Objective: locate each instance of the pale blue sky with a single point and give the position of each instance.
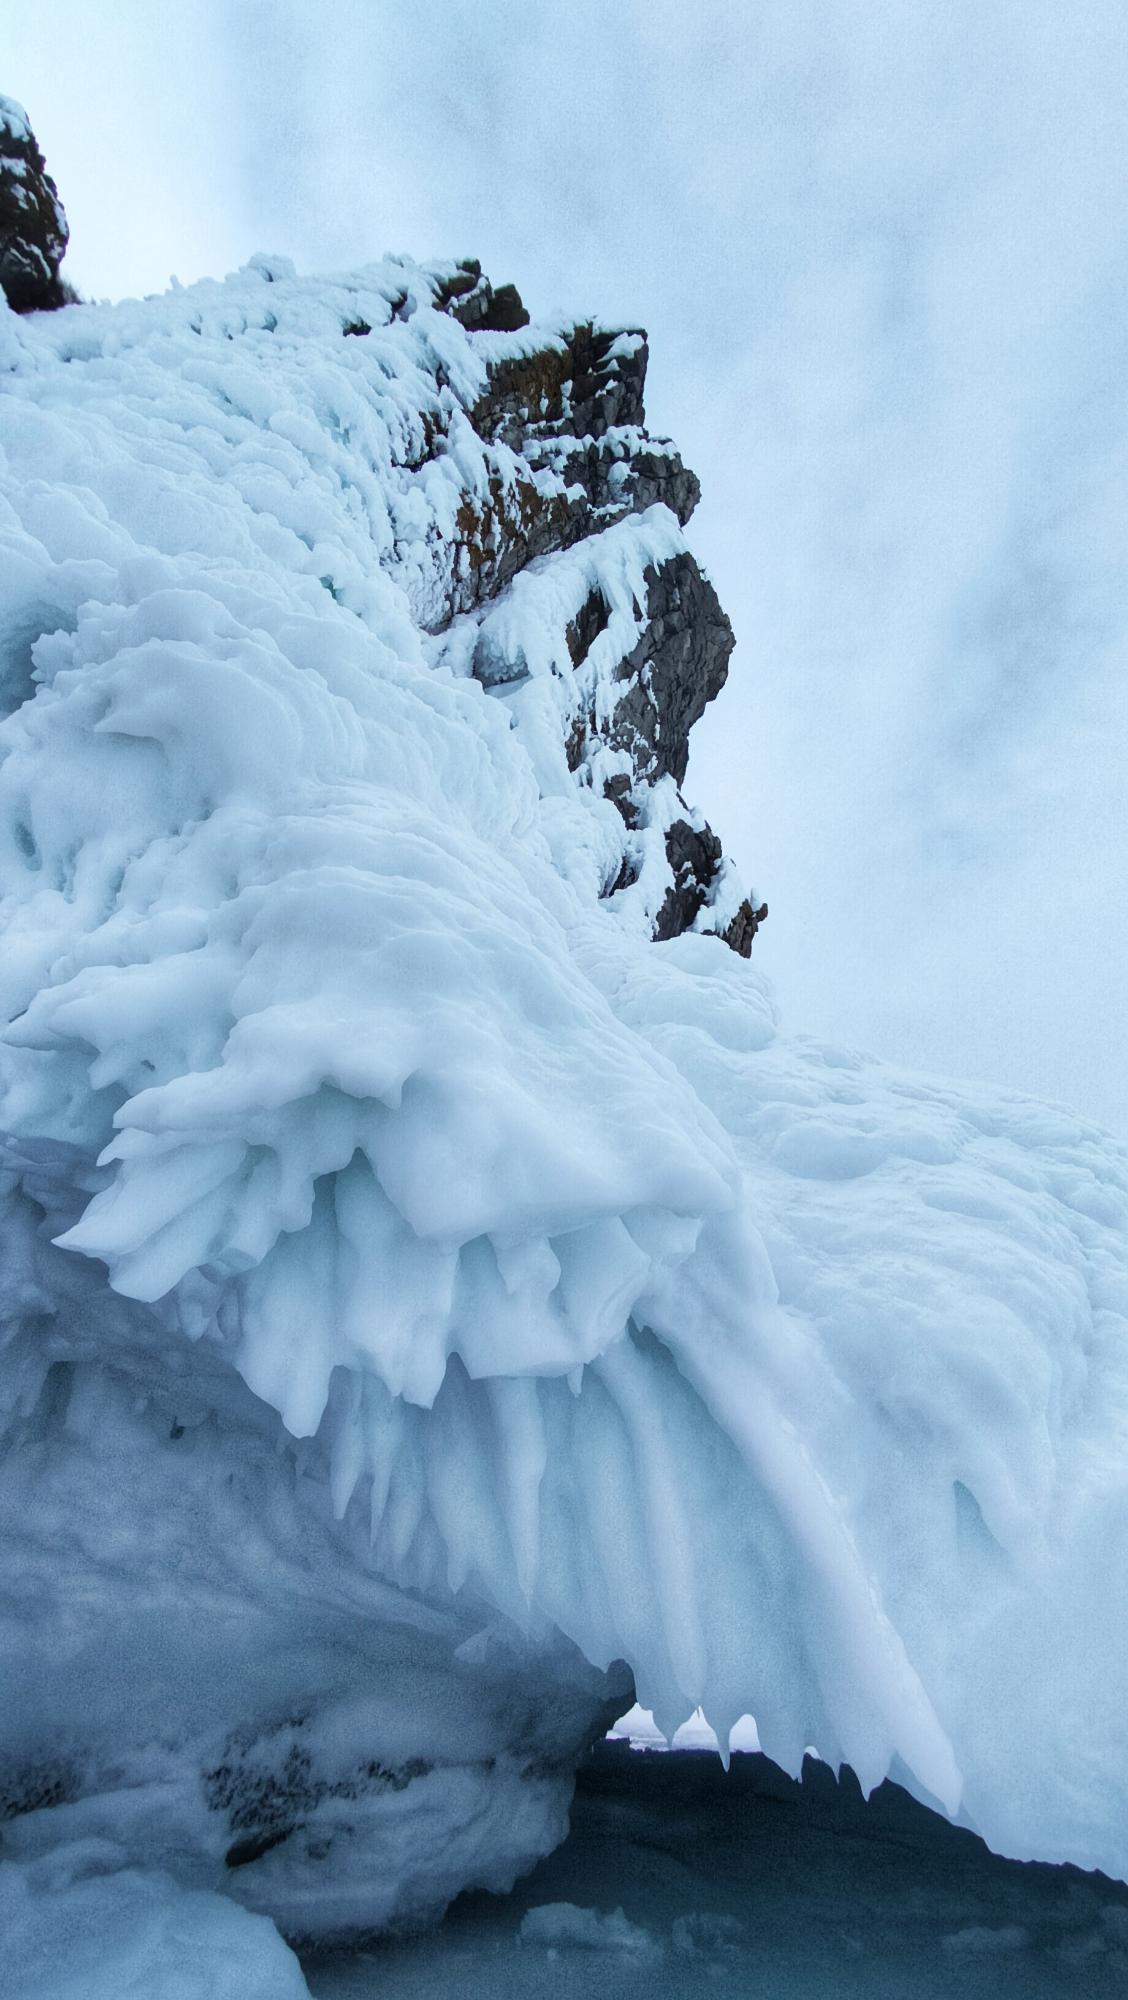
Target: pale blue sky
(881, 249)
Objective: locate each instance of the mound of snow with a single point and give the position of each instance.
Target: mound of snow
(556, 1924)
(77, 1931)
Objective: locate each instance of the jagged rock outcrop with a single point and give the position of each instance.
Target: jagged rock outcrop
(572, 454)
(33, 225)
(567, 420)
(678, 665)
(694, 854)
(479, 306)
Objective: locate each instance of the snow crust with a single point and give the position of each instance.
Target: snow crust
(555, 1924)
(797, 1382)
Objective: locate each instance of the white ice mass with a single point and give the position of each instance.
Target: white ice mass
(423, 1291)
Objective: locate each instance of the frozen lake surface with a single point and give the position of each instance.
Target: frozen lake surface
(752, 1884)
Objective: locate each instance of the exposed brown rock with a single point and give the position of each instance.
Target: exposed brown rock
(694, 854)
(573, 408)
(501, 535)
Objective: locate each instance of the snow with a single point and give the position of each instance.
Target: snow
(602, 1312)
(638, 1728)
(13, 121)
(79, 1929)
(555, 1924)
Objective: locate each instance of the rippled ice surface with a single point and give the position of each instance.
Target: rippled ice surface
(752, 1884)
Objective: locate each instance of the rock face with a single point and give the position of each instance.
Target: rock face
(567, 419)
(33, 226)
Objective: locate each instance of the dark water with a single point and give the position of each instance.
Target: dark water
(751, 1884)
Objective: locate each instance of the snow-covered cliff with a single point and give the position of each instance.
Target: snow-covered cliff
(430, 1278)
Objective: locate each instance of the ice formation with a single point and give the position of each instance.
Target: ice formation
(430, 1276)
(79, 1930)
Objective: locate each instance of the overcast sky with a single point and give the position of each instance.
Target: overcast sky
(881, 249)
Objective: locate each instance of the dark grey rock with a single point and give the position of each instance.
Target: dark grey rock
(575, 406)
(578, 407)
(589, 385)
(590, 620)
(617, 478)
(33, 226)
(694, 854)
(744, 926)
(678, 666)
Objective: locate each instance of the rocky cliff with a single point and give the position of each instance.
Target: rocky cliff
(568, 421)
(33, 225)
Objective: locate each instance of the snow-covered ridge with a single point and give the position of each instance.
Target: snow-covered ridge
(381, 1193)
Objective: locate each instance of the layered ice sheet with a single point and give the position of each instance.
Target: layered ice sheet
(799, 1383)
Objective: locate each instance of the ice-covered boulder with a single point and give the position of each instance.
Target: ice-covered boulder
(33, 226)
(430, 1278)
